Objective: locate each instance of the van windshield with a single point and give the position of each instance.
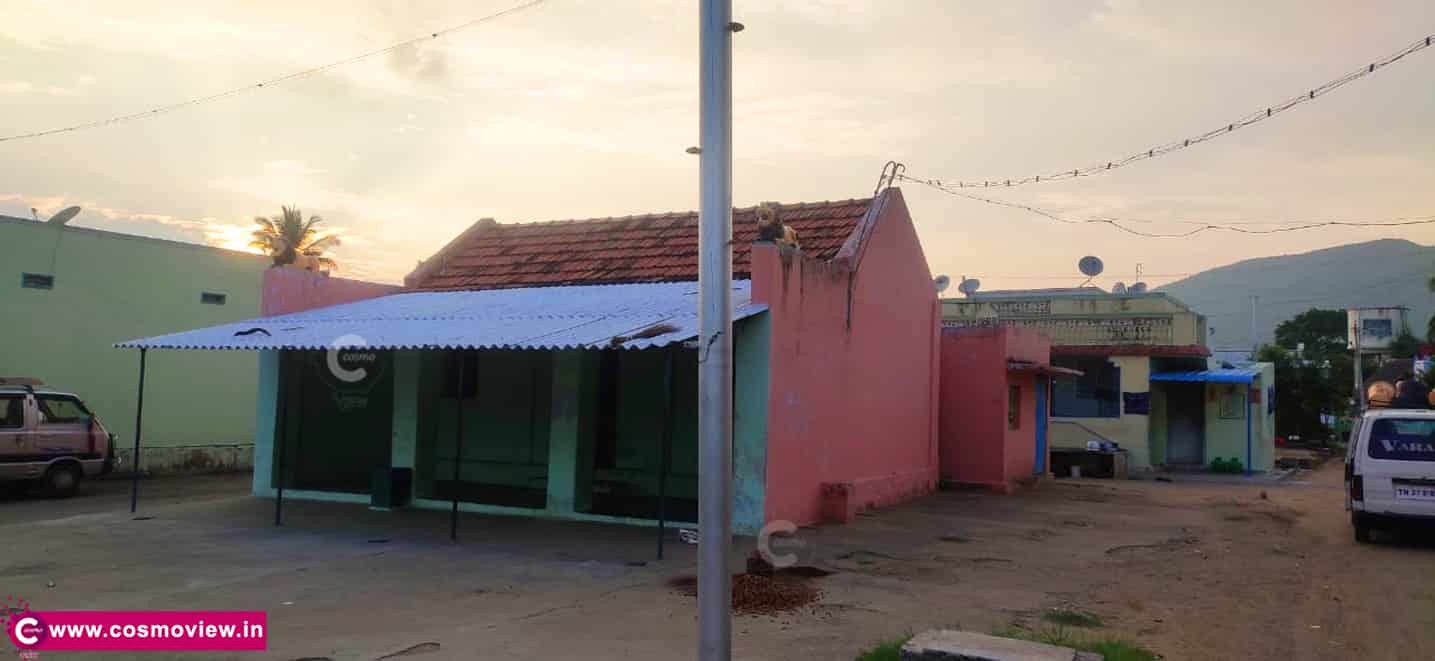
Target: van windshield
(1403, 439)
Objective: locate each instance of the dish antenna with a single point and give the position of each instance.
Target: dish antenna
(969, 286)
(942, 282)
(1137, 288)
(1090, 266)
(64, 216)
(1119, 288)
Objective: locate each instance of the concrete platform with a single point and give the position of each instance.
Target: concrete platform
(949, 645)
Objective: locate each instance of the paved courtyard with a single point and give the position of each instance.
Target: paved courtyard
(1191, 570)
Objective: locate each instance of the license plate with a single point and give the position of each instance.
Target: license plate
(1415, 492)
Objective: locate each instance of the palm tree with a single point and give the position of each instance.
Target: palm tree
(288, 236)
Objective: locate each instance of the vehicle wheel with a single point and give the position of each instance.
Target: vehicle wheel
(1362, 529)
(62, 480)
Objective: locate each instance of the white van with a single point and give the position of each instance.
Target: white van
(1390, 470)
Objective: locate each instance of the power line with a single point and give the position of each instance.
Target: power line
(1231, 127)
(1200, 226)
(274, 81)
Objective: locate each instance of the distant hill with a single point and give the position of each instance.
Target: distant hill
(1387, 272)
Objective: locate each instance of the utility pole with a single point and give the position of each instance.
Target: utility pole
(1255, 344)
(1359, 381)
(715, 336)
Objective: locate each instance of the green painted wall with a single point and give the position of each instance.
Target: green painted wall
(1226, 436)
(1132, 431)
(533, 411)
(640, 423)
(266, 416)
(751, 349)
(113, 287)
(334, 434)
(1158, 424)
(505, 426)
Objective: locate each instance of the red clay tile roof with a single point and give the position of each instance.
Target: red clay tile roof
(648, 248)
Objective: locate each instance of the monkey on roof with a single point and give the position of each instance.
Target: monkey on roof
(770, 227)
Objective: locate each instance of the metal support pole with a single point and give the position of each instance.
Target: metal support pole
(667, 450)
(457, 450)
(1255, 345)
(1249, 468)
(281, 433)
(715, 337)
(135, 456)
(1359, 378)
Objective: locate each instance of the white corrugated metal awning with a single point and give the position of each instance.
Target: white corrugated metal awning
(631, 316)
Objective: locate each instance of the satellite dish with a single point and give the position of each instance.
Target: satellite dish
(1118, 288)
(1090, 266)
(942, 282)
(64, 216)
(969, 286)
(1137, 288)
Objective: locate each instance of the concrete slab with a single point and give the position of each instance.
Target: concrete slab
(949, 645)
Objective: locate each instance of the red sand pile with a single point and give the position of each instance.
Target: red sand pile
(755, 594)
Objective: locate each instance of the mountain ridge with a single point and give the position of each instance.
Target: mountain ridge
(1379, 273)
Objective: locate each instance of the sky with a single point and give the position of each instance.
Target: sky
(583, 108)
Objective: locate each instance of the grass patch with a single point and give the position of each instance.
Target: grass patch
(888, 650)
(1071, 617)
(1112, 649)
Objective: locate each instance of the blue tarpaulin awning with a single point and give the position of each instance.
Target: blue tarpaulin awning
(1234, 375)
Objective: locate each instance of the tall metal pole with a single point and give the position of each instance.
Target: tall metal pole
(1255, 344)
(715, 338)
(1359, 378)
(457, 450)
(135, 456)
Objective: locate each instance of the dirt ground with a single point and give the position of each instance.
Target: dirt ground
(1193, 571)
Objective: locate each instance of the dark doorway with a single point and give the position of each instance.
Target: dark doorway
(337, 420)
(1185, 423)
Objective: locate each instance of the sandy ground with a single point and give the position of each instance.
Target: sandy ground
(1194, 571)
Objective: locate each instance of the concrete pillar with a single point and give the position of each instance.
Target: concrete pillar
(570, 440)
(266, 409)
(408, 368)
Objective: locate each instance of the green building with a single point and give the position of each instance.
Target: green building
(70, 293)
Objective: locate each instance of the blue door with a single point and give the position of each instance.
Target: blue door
(1040, 467)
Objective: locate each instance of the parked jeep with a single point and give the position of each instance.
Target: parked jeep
(50, 438)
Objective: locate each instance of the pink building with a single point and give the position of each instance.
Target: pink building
(550, 346)
(993, 406)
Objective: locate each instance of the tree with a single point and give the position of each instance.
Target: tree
(1315, 381)
(1323, 332)
(1304, 391)
(288, 236)
(1404, 345)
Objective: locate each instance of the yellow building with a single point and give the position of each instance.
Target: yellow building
(1147, 384)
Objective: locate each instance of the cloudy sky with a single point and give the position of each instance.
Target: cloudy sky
(583, 108)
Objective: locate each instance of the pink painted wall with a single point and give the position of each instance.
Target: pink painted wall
(1020, 444)
(852, 408)
(292, 290)
(977, 447)
(973, 402)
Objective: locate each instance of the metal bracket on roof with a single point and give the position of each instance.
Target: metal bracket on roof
(890, 172)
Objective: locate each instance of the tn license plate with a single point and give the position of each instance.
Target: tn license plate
(1415, 492)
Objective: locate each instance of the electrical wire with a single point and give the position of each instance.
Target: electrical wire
(1200, 226)
(160, 110)
(1225, 129)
